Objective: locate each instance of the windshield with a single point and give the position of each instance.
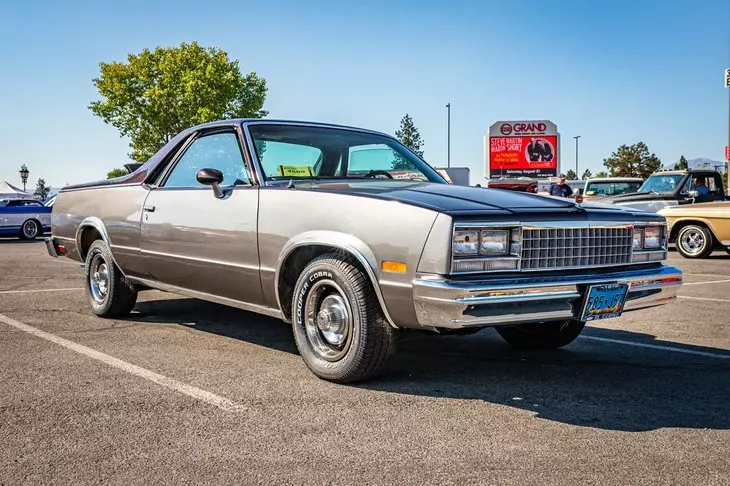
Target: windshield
(304, 152)
(611, 188)
(661, 183)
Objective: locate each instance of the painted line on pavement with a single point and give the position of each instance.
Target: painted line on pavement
(659, 347)
(185, 389)
(705, 283)
(709, 299)
(38, 290)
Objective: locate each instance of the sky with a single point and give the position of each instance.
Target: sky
(612, 72)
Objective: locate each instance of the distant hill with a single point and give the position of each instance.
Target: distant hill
(700, 163)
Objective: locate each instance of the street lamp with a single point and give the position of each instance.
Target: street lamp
(576, 155)
(448, 135)
(24, 175)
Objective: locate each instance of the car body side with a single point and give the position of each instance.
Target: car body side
(13, 217)
(715, 216)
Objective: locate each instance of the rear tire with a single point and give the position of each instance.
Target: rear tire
(30, 229)
(339, 327)
(694, 241)
(108, 292)
(550, 335)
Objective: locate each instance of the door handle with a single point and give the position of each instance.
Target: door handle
(149, 209)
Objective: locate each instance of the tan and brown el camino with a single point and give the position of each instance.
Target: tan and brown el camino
(351, 237)
(698, 229)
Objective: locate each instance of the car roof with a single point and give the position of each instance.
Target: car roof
(270, 121)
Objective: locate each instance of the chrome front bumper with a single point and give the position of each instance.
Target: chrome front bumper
(459, 303)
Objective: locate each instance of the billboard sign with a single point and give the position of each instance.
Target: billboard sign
(522, 149)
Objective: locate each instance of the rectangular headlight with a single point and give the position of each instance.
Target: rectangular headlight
(638, 238)
(652, 237)
(494, 242)
(466, 243)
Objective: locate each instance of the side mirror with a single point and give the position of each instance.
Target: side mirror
(692, 194)
(211, 177)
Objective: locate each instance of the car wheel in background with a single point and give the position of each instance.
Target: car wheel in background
(338, 325)
(694, 241)
(550, 335)
(30, 229)
(108, 292)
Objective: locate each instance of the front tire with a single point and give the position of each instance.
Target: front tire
(30, 229)
(339, 327)
(551, 335)
(694, 241)
(108, 292)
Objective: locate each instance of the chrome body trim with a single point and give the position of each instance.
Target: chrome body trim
(191, 258)
(307, 241)
(461, 302)
(259, 309)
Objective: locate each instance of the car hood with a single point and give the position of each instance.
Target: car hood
(636, 196)
(461, 200)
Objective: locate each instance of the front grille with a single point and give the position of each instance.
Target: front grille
(555, 248)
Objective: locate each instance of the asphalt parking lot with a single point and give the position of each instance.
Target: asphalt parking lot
(187, 391)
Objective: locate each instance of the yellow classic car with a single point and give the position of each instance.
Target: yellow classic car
(698, 229)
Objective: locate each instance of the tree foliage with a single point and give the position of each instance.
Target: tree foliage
(409, 136)
(114, 173)
(586, 175)
(602, 174)
(156, 94)
(571, 175)
(632, 161)
(41, 189)
(682, 164)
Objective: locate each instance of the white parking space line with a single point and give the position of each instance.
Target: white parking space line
(191, 391)
(38, 290)
(656, 346)
(705, 283)
(709, 299)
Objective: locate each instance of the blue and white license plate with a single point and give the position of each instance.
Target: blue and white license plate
(605, 301)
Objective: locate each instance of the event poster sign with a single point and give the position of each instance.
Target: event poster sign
(522, 149)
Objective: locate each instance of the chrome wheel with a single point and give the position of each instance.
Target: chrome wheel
(99, 279)
(693, 241)
(30, 229)
(328, 320)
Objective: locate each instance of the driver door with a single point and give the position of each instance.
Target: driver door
(192, 239)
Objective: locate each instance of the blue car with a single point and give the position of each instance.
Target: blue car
(25, 218)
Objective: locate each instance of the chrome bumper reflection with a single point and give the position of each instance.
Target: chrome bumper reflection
(457, 303)
(51, 247)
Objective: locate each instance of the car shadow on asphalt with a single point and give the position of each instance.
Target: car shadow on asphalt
(590, 383)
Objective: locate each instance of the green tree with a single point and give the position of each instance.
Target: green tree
(586, 175)
(114, 173)
(682, 164)
(571, 175)
(41, 189)
(602, 174)
(632, 161)
(156, 94)
(408, 136)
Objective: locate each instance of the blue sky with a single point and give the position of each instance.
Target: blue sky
(612, 72)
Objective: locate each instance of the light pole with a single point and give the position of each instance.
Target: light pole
(448, 135)
(24, 175)
(576, 156)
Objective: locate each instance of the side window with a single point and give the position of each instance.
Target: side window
(217, 151)
(281, 159)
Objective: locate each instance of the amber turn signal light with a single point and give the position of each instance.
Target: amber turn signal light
(396, 267)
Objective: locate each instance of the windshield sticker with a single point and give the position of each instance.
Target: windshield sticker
(295, 171)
